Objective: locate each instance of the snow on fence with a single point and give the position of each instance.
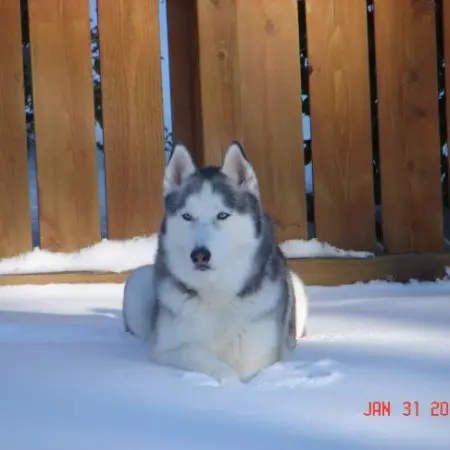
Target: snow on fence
(235, 74)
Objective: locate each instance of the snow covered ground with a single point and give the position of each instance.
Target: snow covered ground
(71, 379)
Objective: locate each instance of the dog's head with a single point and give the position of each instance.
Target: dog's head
(213, 216)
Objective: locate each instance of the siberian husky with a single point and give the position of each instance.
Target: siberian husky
(219, 298)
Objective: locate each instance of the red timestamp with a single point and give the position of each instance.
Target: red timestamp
(380, 408)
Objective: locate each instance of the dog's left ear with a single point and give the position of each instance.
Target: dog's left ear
(238, 168)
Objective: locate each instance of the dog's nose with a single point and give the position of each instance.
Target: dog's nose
(200, 255)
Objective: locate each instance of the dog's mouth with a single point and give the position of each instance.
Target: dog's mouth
(202, 267)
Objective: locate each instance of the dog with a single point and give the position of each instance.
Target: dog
(219, 299)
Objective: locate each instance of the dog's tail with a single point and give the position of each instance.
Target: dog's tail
(139, 302)
(299, 305)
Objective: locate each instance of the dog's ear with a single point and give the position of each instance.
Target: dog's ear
(179, 167)
(238, 168)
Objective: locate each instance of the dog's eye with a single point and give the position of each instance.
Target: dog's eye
(222, 216)
(187, 217)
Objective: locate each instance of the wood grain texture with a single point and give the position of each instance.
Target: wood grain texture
(184, 75)
(64, 124)
(400, 268)
(219, 77)
(314, 272)
(63, 278)
(408, 125)
(341, 123)
(132, 115)
(446, 30)
(271, 111)
(15, 218)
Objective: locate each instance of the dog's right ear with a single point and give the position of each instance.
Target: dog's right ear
(179, 167)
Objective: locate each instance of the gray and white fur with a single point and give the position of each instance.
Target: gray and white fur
(219, 298)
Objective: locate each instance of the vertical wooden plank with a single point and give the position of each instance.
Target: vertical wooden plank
(219, 77)
(64, 124)
(341, 123)
(15, 221)
(132, 115)
(184, 75)
(405, 43)
(446, 31)
(269, 60)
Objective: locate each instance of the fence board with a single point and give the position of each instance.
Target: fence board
(64, 124)
(15, 220)
(271, 108)
(132, 115)
(408, 125)
(184, 82)
(341, 123)
(219, 77)
(446, 30)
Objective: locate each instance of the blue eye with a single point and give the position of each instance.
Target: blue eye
(187, 217)
(222, 216)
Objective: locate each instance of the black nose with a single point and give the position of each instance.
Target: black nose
(200, 255)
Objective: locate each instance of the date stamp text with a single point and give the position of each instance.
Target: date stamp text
(411, 408)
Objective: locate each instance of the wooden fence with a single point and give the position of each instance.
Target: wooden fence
(235, 74)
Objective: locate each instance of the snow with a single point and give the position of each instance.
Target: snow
(119, 256)
(298, 248)
(105, 256)
(71, 378)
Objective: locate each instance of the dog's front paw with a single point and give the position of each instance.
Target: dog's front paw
(230, 381)
(226, 376)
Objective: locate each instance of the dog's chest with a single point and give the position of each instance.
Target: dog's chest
(221, 320)
(216, 318)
